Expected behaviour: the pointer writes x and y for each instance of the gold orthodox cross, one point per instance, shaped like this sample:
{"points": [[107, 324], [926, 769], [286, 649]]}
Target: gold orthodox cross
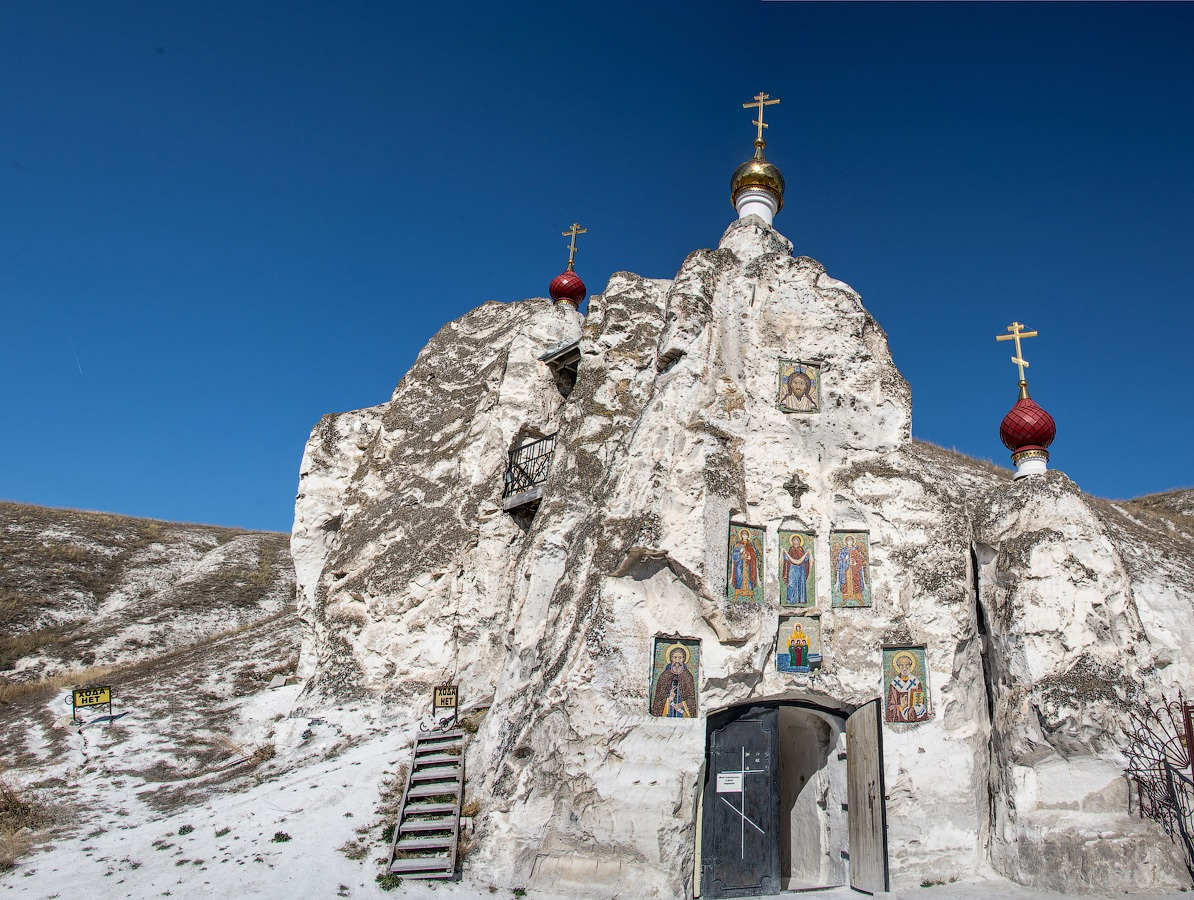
{"points": [[1017, 334], [760, 101], [574, 231]]}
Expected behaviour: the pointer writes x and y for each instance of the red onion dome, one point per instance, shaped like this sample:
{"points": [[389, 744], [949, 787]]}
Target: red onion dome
{"points": [[567, 286], [1027, 427]]}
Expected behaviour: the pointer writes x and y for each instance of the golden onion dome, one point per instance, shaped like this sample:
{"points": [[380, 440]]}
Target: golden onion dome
{"points": [[757, 173]]}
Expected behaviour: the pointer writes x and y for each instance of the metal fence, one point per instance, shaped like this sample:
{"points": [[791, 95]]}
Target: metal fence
{"points": [[1159, 768], [529, 465]]}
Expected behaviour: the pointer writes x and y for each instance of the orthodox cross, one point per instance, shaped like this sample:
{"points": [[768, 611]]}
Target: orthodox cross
{"points": [[760, 101], [574, 231], [1017, 334]]}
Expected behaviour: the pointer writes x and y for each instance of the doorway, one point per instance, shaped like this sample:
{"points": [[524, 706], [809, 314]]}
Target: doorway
{"points": [[812, 792], [780, 782]]}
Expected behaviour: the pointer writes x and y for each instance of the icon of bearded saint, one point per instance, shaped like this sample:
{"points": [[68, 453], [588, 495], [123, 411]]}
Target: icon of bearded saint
{"points": [[797, 394], [675, 690]]}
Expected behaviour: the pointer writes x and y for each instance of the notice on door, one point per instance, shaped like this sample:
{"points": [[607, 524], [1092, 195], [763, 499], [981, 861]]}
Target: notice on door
{"points": [[729, 782]]}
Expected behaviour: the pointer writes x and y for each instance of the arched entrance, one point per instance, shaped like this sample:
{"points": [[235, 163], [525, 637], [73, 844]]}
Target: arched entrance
{"points": [[793, 799]]}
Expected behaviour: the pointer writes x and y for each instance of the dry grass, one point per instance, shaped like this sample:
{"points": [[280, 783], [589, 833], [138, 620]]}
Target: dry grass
{"points": [[13, 647], [10, 693], [13, 604], [261, 753], [984, 466], [20, 816]]}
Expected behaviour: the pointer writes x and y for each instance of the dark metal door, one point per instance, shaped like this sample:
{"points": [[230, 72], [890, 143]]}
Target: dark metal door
{"points": [[740, 831], [868, 812]]}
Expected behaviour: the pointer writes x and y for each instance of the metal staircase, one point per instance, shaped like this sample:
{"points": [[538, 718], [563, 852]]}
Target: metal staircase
{"points": [[428, 829]]}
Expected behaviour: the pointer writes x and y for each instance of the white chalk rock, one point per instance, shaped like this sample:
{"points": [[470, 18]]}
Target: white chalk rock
{"points": [[411, 574]]}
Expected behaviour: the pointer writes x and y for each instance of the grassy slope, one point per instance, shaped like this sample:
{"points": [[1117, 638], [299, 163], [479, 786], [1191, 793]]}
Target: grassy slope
{"points": [[81, 589]]}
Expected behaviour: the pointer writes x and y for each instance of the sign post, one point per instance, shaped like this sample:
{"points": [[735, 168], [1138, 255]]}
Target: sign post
{"points": [[93, 696]]}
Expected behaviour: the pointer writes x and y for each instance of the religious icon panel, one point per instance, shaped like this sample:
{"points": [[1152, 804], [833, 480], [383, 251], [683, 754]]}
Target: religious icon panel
{"points": [[798, 647], [905, 685], [850, 562], [675, 670], [799, 387], [744, 569], [797, 585]]}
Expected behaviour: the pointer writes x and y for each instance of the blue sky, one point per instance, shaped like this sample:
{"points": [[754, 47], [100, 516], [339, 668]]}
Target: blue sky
{"points": [[220, 221]]}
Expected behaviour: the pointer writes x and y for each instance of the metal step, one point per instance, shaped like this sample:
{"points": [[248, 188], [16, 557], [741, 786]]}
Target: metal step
{"points": [[437, 758], [426, 843], [415, 809], [434, 790], [429, 867], [438, 740], [442, 823], [436, 773]]}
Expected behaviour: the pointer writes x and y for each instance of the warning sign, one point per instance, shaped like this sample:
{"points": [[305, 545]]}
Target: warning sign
{"points": [[92, 696], [445, 696], [81, 698]]}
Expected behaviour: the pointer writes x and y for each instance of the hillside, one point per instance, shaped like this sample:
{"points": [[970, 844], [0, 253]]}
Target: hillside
{"points": [[82, 589], [184, 621]]}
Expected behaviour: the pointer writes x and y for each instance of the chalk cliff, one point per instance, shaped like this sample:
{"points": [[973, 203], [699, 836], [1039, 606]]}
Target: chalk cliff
{"points": [[1041, 612]]}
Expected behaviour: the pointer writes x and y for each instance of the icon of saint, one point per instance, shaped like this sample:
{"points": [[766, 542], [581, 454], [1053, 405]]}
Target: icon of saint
{"points": [[675, 689], [851, 573], [906, 701], [798, 648], [796, 565], [744, 566]]}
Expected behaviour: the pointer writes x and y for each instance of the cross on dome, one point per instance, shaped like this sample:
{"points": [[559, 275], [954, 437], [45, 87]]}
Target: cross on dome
{"points": [[1018, 334], [760, 101], [567, 286], [574, 230], [1027, 430], [757, 187]]}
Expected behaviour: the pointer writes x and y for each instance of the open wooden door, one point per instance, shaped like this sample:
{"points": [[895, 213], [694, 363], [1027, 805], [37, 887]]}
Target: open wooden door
{"points": [[865, 795], [740, 831]]}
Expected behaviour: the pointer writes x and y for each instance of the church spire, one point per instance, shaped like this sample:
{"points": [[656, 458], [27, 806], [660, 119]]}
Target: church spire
{"points": [[1027, 430], [567, 286], [757, 187]]}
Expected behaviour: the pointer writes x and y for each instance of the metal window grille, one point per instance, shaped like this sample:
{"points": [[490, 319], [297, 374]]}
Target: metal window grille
{"points": [[529, 465]]}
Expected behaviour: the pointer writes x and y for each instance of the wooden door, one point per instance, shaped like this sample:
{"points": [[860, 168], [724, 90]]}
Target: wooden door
{"points": [[740, 831], [867, 810]]}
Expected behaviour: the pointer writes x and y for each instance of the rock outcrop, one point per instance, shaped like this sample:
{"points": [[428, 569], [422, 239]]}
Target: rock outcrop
{"points": [[1028, 598]]}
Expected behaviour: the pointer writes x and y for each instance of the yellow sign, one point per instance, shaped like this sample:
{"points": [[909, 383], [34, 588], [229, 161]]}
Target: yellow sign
{"points": [[445, 696], [93, 696]]}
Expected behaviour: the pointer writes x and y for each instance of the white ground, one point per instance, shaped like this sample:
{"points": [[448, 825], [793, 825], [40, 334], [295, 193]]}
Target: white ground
{"points": [[126, 789], [125, 850]]}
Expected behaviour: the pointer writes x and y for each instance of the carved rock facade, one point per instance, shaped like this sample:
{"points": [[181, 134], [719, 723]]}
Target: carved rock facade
{"points": [[1039, 610]]}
